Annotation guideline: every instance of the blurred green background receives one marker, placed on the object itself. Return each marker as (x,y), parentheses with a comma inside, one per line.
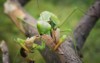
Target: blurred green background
(62,8)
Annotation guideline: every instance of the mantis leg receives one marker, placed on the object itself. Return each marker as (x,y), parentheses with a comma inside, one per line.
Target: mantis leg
(61,40)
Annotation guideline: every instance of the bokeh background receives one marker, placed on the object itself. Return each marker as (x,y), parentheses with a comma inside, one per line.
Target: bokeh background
(62,8)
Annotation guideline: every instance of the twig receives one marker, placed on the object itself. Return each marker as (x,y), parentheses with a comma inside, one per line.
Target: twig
(5,52)
(86,24)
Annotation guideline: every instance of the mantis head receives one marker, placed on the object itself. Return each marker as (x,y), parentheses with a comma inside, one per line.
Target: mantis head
(50,18)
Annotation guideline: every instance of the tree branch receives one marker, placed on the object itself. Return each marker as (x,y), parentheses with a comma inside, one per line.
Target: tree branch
(86,24)
(5,53)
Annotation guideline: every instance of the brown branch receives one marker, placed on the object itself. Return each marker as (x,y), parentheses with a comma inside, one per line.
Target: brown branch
(86,24)
(70,54)
(5,52)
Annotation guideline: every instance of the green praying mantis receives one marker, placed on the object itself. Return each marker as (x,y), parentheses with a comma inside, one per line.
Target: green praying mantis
(47,24)
(50,27)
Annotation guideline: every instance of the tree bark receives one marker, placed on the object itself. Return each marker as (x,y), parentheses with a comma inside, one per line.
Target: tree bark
(86,24)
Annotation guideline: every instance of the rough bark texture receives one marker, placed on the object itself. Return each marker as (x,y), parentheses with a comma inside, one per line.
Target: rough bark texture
(5,52)
(81,32)
(69,52)
(86,24)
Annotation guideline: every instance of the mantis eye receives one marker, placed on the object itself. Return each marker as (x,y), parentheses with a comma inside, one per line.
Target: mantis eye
(43,27)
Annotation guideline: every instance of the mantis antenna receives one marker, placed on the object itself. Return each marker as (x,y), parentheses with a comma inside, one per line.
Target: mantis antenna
(69,30)
(67,17)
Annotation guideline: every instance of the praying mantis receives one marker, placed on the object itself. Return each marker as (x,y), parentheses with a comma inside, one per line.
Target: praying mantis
(48,24)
